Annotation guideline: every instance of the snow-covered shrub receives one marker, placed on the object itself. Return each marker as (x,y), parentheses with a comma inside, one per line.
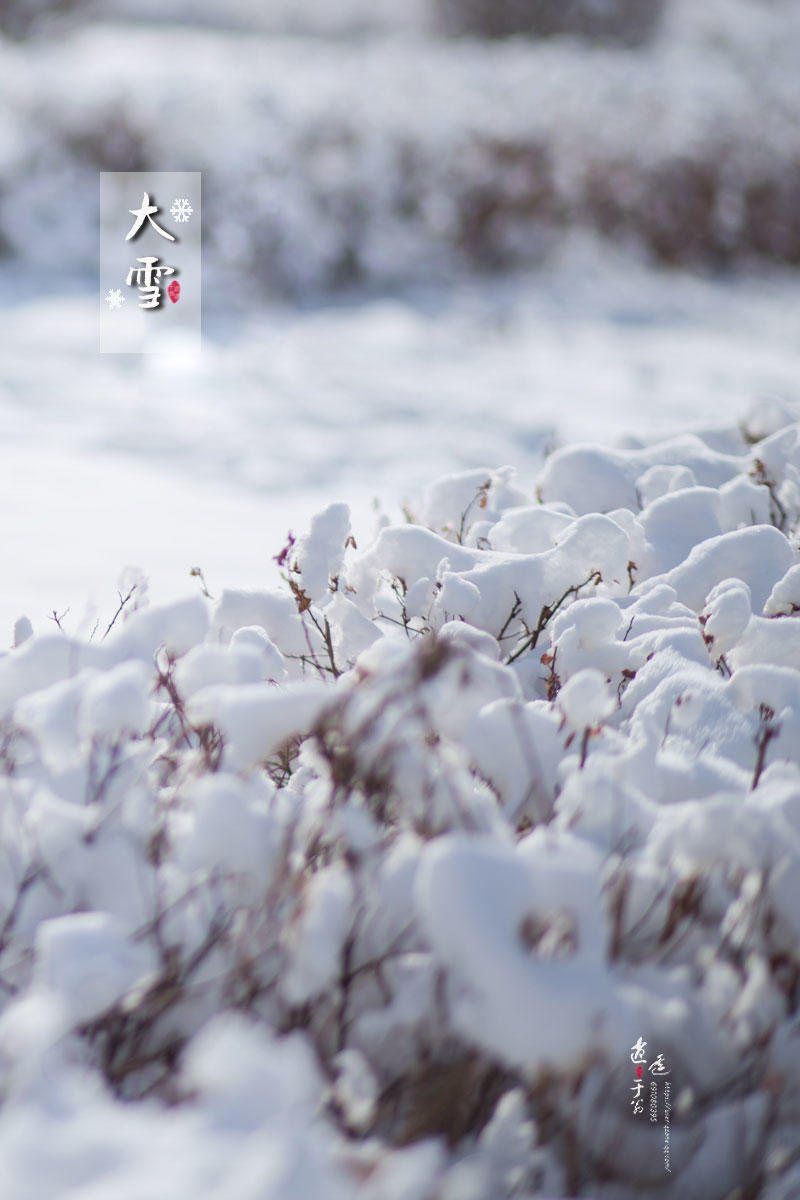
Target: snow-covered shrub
(19,17)
(365,887)
(314,18)
(330,163)
(628,21)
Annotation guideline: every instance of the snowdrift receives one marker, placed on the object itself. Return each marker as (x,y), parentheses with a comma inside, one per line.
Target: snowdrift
(367,886)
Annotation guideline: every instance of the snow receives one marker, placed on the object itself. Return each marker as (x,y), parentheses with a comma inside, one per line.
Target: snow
(318,557)
(759,556)
(348,849)
(228,827)
(294,877)
(117,703)
(355,392)
(89,962)
(475,900)
(317,940)
(356,1088)
(327,174)
(585,700)
(255,721)
(784,597)
(351,403)
(204,666)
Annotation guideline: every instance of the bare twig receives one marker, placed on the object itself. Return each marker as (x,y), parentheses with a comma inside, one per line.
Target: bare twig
(123,600)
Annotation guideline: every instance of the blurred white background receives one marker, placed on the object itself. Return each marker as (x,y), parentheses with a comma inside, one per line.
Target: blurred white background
(434,238)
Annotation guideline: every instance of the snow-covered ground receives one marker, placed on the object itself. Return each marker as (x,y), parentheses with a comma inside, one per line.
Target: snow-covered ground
(111,461)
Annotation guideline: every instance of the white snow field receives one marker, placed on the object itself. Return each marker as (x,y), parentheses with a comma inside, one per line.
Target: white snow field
(111,461)
(348,147)
(367,884)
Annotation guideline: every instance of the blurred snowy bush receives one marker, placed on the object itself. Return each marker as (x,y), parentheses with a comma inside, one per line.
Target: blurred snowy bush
(365,887)
(630,22)
(316,18)
(385,158)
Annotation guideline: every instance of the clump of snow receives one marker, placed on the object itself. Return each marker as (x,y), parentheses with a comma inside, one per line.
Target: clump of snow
(90,961)
(367,886)
(356,1088)
(117,702)
(255,721)
(317,940)
(584,700)
(319,556)
(485,908)
(784,599)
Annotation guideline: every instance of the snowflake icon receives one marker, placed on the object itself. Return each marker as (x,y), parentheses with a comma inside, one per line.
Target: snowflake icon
(181,210)
(114,298)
